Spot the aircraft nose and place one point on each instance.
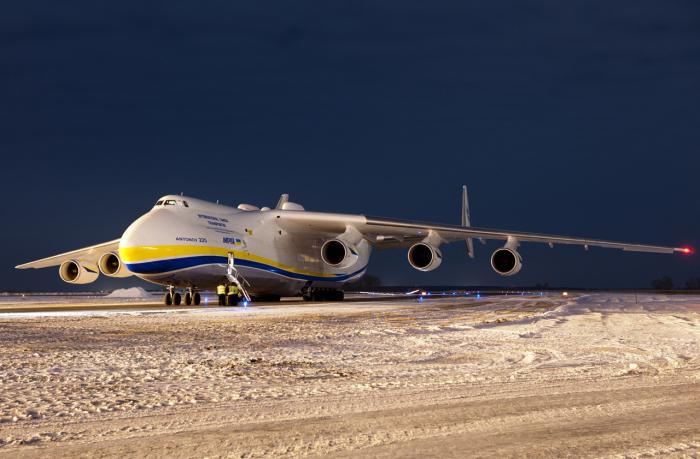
(144, 235)
(136, 234)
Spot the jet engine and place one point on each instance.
(424, 257)
(74, 272)
(506, 262)
(339, 254)
(111, 266)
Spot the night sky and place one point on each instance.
(579, 118)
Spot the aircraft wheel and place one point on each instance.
(188, 298)
(196, 298)
(176, 299)
(168, 299)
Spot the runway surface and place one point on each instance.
(91, 305)
(601, 375)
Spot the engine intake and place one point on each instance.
(424, 257)
(111, 266)
(506, 262)
(339, 254)
(74, 272)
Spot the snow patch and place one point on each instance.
(133, 292)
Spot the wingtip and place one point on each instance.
(25, 265)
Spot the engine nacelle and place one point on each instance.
(506, 262)
(112, 266)
(339, 254)
(424, 257)
(74, 272)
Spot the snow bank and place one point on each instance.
(133, 292)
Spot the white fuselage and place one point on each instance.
(187, 244)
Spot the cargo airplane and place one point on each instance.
(188, 245)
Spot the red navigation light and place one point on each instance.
(687, 250)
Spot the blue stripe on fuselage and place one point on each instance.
(174, 264)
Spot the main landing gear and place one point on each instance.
(323, 294)
(173, 298)
(192, 296)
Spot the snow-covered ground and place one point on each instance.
(594, 375)
(135, 294)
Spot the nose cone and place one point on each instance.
(143, 237)
(137, 233)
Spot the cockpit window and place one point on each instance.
(159, 202)
(185, 203)
(170, 202)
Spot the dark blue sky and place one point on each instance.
(578, 117)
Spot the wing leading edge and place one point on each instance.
(86, 255)
(453, 232)
(386, 233)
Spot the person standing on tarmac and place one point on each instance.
(221, 291)
(232, 295)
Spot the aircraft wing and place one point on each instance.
(385, 233)
(87, 255)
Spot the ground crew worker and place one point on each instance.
(221, 291)
(232, 295)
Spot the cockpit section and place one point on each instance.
(176, 201)
(163, 202)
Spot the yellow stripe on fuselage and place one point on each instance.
(159, 252)
(156, 252)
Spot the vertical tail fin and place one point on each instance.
(466, 221)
